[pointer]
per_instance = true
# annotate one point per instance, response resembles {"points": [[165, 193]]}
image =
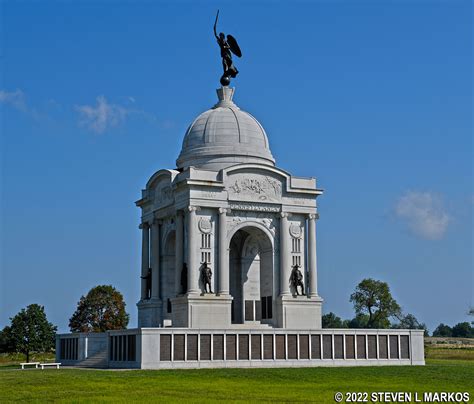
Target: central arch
{"points": [[251, 275]]}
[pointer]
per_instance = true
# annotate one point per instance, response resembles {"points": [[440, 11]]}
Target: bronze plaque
{"points": [[404, 347], [218, 347], [393, 347], [338, 347], [304, 346], [361, 347], [292, 346], [327, 347], [231, 347], [350, 347], [249, 310], [315, 347], [372, 347], [256, 345], [280, 346], [383, 347], [165, 347], [192, 347], [243, 347], [258, 310], [205, 346], [178, 347], [268, 347]]}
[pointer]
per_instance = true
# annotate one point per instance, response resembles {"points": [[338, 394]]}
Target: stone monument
{"points": [[228, 270], [227, 205]]}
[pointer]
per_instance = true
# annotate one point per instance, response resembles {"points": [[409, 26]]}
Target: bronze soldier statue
{"points": [[297, 279], [228, 46], [206, 277], [147, 278]]}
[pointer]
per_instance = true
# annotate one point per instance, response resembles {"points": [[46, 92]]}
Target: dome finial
{"points": [[225, 95]]}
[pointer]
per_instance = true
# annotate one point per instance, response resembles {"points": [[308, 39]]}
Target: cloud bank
{"points": [[101, 117], [14, 98], [423, 213]]}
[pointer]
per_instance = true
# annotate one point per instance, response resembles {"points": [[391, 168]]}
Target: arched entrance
{"points": [[251, 276]]}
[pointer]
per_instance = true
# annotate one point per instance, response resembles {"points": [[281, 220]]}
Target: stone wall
{"points": [[163, 348]]}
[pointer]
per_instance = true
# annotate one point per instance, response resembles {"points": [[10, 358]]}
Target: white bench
{"points": [[49, 364], [29, 363]]}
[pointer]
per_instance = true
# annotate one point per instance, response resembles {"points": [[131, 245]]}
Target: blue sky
{"points": [[374, 98]]}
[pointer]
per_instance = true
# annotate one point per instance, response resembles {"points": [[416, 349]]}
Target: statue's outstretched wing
{"points": [[234, 47]]}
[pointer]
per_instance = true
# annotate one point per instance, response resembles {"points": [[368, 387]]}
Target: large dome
{"points": [[224, 136]]}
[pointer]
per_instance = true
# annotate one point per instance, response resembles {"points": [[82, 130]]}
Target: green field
{"points": [[247, 385]]}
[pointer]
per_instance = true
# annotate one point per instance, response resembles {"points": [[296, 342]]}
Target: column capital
{"points": [[224, 211], [144, 225], [285, 214], [313, 216], [193, 208]]}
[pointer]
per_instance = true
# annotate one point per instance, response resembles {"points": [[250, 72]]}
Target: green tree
{"points": [[30, 331], [409, 322], [5, 340], [102, 309], [443, 330], [373, 298], [359, 321], [330, 320], [463, 330]]}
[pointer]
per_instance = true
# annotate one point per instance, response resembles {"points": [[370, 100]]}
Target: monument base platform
{"points": [[149, 312], [198, 311], [299, 312]]}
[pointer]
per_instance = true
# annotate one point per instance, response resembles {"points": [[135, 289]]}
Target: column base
{"points": [[150, 313], [299, 312], [202, 311]]}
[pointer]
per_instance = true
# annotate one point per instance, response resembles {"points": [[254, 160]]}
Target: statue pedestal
{"points": [[202, 311], [149, 313], [299, 312]]}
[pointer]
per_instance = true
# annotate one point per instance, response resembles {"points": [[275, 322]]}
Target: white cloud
{"points": [[14, 98], [102, 116], [424, 214]]}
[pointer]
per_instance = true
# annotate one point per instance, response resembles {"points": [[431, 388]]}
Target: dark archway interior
{"points": [[251, 276]]}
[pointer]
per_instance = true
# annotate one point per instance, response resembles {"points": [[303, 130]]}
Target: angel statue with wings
{"points": [[228, 46]]}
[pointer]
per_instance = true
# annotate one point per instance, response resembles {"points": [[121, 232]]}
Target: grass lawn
{"points": [[249, 385]]}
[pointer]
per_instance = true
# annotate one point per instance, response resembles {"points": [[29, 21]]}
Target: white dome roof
{"points": [[224, 136]]}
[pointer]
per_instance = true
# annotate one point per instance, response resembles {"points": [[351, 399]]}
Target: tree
{"points": [[463, 330], [102, 309], [330, 320], [359, 321], [30, 331], [443, 330], [5, 340], [373, 298], [409, 322]]}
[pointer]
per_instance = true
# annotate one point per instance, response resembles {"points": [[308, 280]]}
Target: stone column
{"points": [[155, 259], [193, 247], [312, 265], [223, 254], [285, 265], [179, 247], [145, 255]]}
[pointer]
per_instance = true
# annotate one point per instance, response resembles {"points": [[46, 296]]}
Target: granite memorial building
{"points": [[228, 206], [229, 271]]}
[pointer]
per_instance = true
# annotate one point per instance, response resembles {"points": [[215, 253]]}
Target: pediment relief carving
{"points": [[254, 187]]}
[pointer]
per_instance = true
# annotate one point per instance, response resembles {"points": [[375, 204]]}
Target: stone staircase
{"points": [[96, 360]]}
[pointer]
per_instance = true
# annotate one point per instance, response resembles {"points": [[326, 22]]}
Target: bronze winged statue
{"points": [[228, 46]]}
